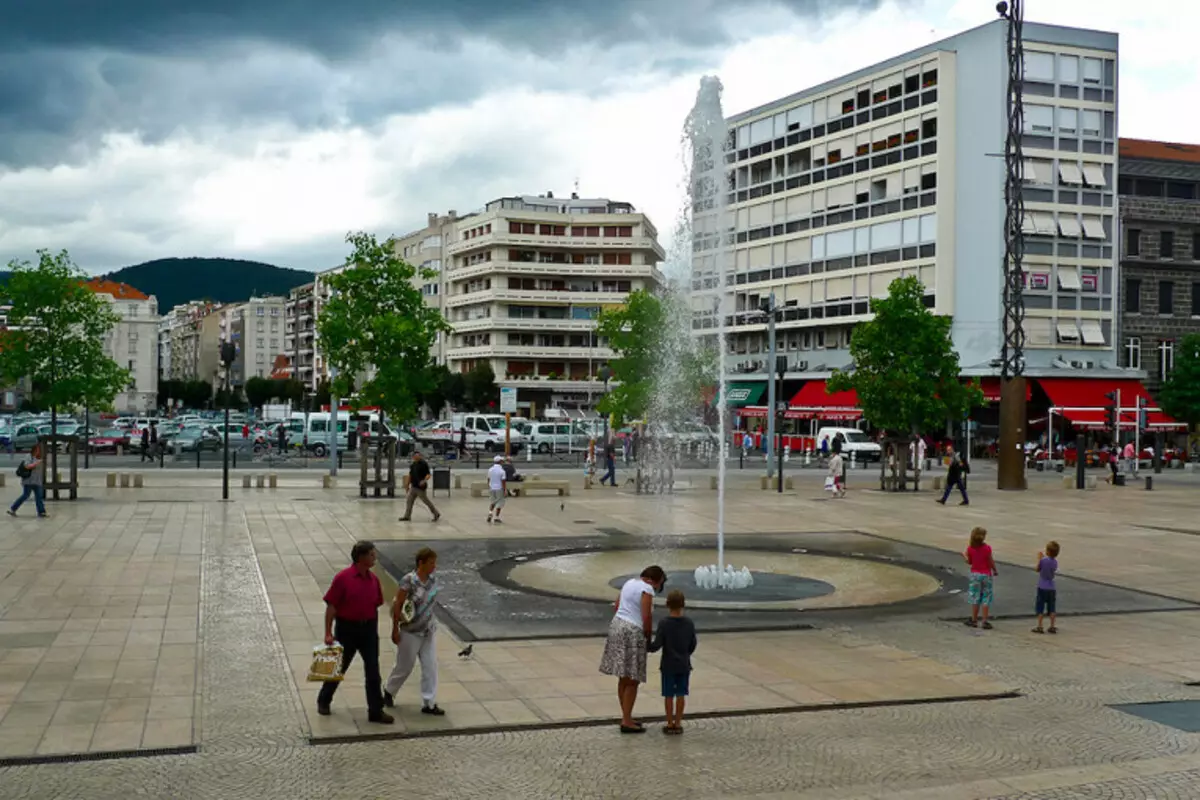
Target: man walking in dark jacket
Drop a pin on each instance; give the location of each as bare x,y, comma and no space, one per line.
956,476
418,483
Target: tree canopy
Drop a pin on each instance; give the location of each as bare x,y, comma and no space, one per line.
906,371
376,323
480,390
57,333
1180,394
658,369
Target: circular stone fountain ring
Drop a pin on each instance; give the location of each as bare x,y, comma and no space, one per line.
782,581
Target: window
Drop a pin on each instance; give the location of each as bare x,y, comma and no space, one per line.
1166,297
1093,175
1070,173
1133,242
1196,246
1093,228
1039,66
1091,122
1068,279
1068,69
1133,296
1166,244
1166,358
1039,119
1093,70
1068,120
1196,299
259,342
1133,352
1089,282
1068,225
260,311
1068,331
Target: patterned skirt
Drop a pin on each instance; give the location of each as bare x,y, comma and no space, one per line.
624,651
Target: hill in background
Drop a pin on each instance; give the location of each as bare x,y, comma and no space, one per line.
225,280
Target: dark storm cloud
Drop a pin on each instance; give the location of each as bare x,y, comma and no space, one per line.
72,71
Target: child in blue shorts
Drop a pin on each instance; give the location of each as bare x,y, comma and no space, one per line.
1047,594
676,637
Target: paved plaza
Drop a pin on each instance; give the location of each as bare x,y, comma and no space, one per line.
155,642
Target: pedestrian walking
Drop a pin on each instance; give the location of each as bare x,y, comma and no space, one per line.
956,476
352,619
146,444
676,637
30,473
414,630
837,474
497,489
610,464
983,568
628,635
462,443
1047,594
282,435
418,485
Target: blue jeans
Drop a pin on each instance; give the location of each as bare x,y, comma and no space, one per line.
39,498
950,484
611,474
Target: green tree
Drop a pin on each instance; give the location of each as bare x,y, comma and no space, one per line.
906,371
377,318
323,396
1180,395
259,391
480,390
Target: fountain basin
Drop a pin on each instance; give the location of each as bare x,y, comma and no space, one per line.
786,581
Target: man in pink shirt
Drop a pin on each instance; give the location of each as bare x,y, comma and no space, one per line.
352,605
1130,455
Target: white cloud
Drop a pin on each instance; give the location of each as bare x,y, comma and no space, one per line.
286,195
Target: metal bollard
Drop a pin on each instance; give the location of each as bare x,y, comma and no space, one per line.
807,456
477,458
234,454
1149,483
197,454
787,452
853,462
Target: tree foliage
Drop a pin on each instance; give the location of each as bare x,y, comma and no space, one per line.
376,318
260,391
906,371
480,392
56,337
193,394
1180,394
658,369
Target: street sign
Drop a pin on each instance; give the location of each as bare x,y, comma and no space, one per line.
508,400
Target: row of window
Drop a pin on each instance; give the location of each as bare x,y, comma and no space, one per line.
1155,187
542,229
538,257
477,231
553,312
1071,173
1091,123
1088,71
485,284
1166,245
809,339
880,99
1166,297
1166,355
1069,279
1064,223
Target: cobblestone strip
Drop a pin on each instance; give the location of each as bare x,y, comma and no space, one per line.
248,696
1183,785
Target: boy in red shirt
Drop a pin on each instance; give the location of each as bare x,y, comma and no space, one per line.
983,567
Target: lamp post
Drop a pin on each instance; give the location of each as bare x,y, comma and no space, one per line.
228,354
772,311
780,369
1010,473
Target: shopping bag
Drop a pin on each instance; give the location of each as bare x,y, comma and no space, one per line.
830,484
326,664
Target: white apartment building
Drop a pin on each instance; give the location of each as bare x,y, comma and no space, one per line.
189,337
256,327
523,283
896,170
132,343
300,331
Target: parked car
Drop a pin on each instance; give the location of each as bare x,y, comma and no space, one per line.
198,437
107,441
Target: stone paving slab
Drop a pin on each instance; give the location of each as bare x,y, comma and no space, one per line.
550,682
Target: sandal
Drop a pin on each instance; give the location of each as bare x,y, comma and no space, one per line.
987,626
1037,630
1052,629
970,623
632,729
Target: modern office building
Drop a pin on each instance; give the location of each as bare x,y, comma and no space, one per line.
1159,188
897,170
524,281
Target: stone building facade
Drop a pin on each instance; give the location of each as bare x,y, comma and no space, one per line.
1159,187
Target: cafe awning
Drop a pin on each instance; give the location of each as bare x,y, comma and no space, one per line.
1084,403
745,394
814,401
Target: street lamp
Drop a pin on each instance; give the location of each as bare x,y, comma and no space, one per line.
228,354
772,312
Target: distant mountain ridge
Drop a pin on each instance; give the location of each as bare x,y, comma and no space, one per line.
224,280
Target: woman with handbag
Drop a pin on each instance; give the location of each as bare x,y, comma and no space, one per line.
414,630
30,473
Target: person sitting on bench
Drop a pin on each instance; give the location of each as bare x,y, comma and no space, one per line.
510,475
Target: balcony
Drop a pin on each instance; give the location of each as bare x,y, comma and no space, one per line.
557,384
575,353
522,324
536,297
506,239
504,267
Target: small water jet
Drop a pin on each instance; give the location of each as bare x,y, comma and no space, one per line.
712,577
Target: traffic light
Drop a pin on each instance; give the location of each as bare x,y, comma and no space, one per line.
1112,413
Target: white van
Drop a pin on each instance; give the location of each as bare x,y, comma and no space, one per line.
316,427
484,431
854,441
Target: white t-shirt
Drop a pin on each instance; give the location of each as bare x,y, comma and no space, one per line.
630,607
496,477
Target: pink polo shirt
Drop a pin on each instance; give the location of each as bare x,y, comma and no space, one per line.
981,559
355,596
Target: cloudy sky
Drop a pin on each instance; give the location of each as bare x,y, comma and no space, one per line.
143,129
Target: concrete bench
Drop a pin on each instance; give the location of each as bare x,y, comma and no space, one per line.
939,483
478,488
537,484
328,482
1089,481
765,483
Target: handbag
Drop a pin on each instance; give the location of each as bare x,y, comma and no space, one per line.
408,610
830,483
23,471
326,665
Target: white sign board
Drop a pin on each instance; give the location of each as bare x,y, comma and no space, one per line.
508,400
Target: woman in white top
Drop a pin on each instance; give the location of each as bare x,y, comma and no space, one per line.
625,648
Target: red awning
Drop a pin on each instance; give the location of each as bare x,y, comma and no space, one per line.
991,389
813,402
1083,402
